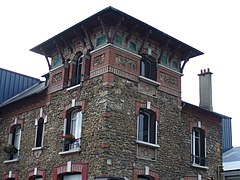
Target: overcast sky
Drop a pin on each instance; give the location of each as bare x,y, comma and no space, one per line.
211,26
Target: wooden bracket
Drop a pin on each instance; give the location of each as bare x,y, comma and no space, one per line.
116,28
59,51
46,57
185,61
104,29
67,43
163,50
79,36
144,40
88,37
133,29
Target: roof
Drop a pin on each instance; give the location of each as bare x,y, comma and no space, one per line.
35,89
12,83
112,16
186,104
232,155
231,159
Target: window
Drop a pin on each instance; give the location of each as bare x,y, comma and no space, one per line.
39,133
164,58
57,61
73,128
101,40
14,141
140,177
118,39
147,126
198,147
148,69
132,46
72,177
175,64
77,72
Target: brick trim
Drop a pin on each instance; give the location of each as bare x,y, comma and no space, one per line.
77,104
137,172
39,172
13,175
195,125
76,167
17,122
140,105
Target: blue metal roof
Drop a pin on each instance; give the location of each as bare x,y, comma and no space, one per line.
12,83
232,155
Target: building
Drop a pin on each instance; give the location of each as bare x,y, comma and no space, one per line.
12,83
110,108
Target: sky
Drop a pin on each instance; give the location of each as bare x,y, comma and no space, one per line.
211,26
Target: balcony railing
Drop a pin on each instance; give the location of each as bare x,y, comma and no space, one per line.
69,146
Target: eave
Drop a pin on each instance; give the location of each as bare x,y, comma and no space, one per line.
113,16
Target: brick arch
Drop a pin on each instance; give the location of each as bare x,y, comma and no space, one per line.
17,122
195,125
138,172
35,173
70,167
10,175
143,105
75,105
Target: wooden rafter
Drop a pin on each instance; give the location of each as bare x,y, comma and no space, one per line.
46,57
163,50
116,28
185,61
59,51
131,32
67,43
104,29
88,37
79,36
144,40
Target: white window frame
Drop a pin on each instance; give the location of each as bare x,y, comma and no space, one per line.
149,121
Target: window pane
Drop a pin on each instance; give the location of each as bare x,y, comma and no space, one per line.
72,177
143,73
38,178
17,137
140,127
118,39
101,40
39,132
146,128
152,129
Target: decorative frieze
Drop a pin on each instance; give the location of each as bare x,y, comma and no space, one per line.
125,62
168,79
57,78
147,88
99,60
146,152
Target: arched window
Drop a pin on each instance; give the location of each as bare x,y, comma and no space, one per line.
198,146
147,126
39,133
72,177
14,142
75,76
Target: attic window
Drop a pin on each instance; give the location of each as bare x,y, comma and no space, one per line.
57,61
118,39
132,46
101,40
175,64
164,58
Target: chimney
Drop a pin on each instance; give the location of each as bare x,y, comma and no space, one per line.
205,89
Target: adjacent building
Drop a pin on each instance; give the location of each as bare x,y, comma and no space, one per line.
110,108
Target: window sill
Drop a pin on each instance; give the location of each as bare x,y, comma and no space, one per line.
150,81
37,148
73,87
11,161
199,166
70,151
148,144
